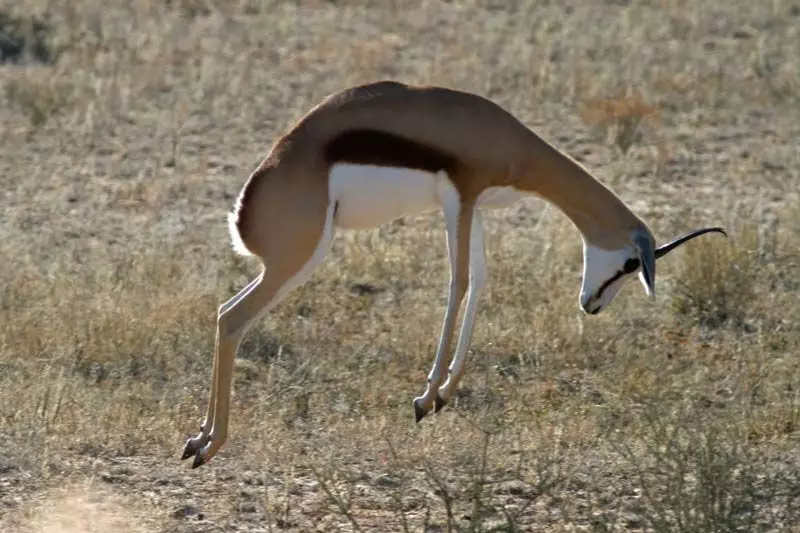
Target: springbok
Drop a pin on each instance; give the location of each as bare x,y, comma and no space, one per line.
370,154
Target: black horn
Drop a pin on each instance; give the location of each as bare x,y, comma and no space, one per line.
667,248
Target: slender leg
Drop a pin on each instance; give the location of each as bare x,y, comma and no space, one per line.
202,438
235,318
231,327
458,228
477,280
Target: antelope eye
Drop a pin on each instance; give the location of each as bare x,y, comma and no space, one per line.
631,265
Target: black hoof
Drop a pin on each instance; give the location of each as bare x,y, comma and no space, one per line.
198,461
438,403
189,450
419,412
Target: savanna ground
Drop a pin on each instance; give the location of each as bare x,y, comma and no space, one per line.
127,129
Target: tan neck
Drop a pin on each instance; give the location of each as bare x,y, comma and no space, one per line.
598,213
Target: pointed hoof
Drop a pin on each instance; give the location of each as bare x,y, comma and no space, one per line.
199,460
189,450
438,403
419,412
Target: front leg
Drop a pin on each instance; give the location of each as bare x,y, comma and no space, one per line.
458,220
478,274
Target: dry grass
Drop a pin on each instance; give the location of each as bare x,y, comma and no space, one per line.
123,150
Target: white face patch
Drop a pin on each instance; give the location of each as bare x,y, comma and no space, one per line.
603,275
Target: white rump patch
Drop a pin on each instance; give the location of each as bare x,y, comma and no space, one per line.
370,195
236,239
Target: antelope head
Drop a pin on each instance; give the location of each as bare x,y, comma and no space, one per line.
606,271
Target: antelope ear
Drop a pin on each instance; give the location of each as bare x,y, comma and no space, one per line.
647,257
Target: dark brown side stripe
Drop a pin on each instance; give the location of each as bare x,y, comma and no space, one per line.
375,147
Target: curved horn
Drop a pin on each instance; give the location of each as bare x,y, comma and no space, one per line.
667,248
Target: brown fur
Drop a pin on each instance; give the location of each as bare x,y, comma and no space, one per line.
481,144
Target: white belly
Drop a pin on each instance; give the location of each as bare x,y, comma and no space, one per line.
369,196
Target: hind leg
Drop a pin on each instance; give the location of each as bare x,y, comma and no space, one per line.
236,316
202,438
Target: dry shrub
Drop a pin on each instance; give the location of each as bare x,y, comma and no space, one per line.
39,97
26,39
620,118
699,473
726,282
717,281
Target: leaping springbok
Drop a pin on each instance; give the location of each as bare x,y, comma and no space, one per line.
373,153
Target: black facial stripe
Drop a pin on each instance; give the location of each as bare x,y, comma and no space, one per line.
631,265
608,282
